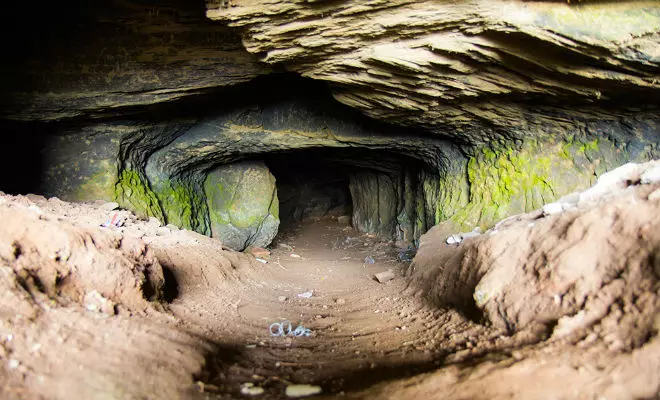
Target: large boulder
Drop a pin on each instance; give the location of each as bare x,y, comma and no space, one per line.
243,204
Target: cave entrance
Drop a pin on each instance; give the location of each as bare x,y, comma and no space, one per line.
376,190
310,185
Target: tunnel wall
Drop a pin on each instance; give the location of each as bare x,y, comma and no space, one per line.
157,166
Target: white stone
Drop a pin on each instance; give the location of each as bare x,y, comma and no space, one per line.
651,175
302,390
553,208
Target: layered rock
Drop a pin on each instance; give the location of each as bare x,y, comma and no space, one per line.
115,57
475,70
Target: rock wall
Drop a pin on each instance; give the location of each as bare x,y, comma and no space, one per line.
477,70
79,59
501,105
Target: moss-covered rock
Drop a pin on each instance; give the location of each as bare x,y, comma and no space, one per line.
132,192
243,204
496,182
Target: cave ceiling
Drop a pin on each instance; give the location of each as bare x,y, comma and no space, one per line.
478,71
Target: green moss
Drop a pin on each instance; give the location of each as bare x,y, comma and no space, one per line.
99,186
609,21
133,192
498,181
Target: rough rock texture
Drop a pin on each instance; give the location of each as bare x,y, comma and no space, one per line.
376,203
243,204
158,168
79,59
468,69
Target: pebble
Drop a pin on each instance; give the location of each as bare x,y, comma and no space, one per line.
249,389
111,206
553,208
302,390
282,299
340,301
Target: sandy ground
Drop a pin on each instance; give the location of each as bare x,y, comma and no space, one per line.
561,303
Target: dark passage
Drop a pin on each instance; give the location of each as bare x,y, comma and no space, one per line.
376,189
310,185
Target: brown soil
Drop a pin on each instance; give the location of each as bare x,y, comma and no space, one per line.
562,306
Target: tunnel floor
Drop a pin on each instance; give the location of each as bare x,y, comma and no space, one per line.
361,331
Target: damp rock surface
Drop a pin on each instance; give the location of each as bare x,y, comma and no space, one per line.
243,205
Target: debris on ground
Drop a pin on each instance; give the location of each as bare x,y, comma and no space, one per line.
249,389
407,255
282,299
94,301
294,255
285,246
386,276
259,252
340,301
115,221
261,260
278,329
110,206
302,390
369,260
459,237
306,295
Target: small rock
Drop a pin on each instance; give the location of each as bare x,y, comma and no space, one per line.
386,276
162,231
282,299
553,208
369,260
110,206
651,175
454,239
340,301
153,221
344,219
302,390
249,389
259,252
285,246
13,364
294,255
94,301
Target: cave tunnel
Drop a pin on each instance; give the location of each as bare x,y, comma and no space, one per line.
362,184
402,151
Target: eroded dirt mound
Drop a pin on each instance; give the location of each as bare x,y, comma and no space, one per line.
81,305
579,280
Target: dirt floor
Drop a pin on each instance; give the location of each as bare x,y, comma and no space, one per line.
558,303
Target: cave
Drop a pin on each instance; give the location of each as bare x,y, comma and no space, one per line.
228,199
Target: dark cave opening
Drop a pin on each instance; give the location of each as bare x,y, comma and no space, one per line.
375,189
309,186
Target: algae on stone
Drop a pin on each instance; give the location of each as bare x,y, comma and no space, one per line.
243,204
132,192
497,182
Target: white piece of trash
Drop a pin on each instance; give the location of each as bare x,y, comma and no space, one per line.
261,260
249,389
302,390
306,295
294,255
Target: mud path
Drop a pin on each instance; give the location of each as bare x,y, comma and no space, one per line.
362,331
